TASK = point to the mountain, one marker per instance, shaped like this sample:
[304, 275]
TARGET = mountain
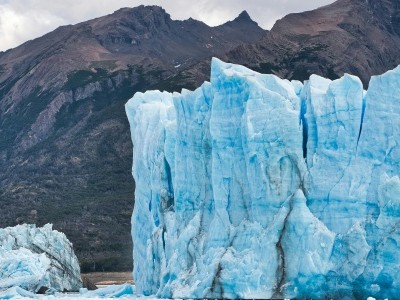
[65, 150]
[360, 37]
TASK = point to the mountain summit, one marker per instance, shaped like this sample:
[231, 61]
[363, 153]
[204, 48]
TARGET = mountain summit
[243, 17]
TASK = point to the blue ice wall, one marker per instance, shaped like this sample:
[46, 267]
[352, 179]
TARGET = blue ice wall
[257, 187]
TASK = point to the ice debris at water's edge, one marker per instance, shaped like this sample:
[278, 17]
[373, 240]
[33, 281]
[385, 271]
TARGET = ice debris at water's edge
[112, 291]
[257, 187]
[34, 259]
[125, 291]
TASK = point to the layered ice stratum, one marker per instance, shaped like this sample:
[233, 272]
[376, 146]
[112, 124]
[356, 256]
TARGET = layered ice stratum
[257, 187]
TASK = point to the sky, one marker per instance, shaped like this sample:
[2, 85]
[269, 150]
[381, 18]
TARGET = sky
[22, 20]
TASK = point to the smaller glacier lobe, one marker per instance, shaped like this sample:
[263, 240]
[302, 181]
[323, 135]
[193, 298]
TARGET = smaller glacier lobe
[257, 187]
[32, 258]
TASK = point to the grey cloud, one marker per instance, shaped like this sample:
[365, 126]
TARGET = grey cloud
[24, 20]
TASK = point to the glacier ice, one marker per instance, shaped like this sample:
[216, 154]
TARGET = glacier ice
[111, 291]
[16, 292]
[32, 258]
[257, 187]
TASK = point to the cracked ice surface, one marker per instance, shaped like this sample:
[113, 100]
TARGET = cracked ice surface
[257, 187]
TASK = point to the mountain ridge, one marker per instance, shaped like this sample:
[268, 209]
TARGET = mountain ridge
[326, 41]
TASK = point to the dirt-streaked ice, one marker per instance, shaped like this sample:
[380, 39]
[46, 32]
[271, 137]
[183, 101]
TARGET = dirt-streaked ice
[32, 258]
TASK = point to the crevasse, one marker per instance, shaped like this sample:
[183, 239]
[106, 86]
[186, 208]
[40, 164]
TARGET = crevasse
[257, 187]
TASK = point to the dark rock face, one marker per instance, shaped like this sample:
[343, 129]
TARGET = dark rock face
[65, 150]
[42, 290]
[87, 283]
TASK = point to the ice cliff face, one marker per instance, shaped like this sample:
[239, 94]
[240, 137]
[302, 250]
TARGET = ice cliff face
[257, 187]
[32, 258]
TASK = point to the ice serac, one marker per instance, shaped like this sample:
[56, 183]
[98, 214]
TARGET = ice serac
[257, 187]
[37, 258]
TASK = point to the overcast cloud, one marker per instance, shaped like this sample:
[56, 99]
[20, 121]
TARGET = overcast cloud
[22, 20]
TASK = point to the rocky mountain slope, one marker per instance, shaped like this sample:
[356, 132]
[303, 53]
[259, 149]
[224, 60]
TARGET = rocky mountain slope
[65, 150]
[361, 37]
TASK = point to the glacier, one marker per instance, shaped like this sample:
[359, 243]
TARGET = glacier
[33, 259]
[256, 187]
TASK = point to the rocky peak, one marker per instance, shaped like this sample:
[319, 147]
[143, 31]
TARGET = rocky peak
[151, 15]
[243, 17]
[242, 26]
[142, 11]
[140, 20]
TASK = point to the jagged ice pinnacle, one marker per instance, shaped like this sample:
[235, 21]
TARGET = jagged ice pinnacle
[257, 187]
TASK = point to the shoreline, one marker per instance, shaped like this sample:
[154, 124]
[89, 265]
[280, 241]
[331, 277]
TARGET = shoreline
[109, 278]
